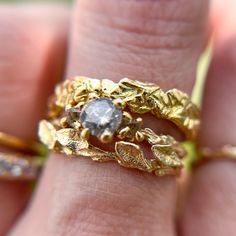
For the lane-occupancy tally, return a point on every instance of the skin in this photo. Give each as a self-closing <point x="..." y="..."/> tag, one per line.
<point x="157" y="40"/>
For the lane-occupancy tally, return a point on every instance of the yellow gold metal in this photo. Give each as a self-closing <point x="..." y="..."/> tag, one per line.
<point x="119" y="103"/>
<point x="124" y="132"/>
<point x="139" y="136"/>
<point x="19" y="144"/>
<point x="225" y="152"/>
<point x="93" y="96"/>
<point x="64" y="122"/>
<point x="85" y="134"/>
<point x="106" y="137"/>
<point x="132" y="97"/>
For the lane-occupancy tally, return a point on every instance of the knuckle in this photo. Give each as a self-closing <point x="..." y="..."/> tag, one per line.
<point x="147" y="24"/>
<point x="139" y="35"/>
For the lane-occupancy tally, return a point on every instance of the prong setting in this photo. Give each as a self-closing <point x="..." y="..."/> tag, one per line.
<point x="64" y="122"/>
<point x="119" y="103"/>
<point x="85" y="133"/>
<point x="106" y="137"/>
<point x="123" y="132"/>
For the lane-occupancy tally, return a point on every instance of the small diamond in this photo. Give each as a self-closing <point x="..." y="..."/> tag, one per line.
<point x="100" y="115"/>
<point x="16" y="170"/>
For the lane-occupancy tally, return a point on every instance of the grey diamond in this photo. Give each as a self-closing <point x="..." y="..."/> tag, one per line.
<point x="100" y="115"/>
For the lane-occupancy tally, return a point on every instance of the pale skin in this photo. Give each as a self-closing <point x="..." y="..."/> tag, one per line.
<point x="152" y="40"/>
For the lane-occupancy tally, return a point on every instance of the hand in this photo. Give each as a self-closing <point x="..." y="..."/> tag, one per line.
<point x="156" y="41"/>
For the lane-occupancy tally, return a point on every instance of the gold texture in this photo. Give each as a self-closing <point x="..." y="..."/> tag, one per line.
<point x="225" y="152"/>
<point x="133" y="97"/>
<point x="19" y="144"/>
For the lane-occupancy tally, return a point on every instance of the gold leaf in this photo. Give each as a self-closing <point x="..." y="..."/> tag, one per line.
<point x="97" y="154"/>
<point x="166" y="155"/>
<point x="130" y="155"/>
<point x="47" y="134"/>
<point x="70" y="138"/>
<point x="128" y="83"/>
<point x="108" y="87"/>
<point x="94" y="85"/>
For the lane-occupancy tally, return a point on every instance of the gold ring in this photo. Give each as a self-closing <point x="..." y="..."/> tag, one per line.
<point x="15" y="166"/>
<point x="20" y="145"/>
<point x="25" y="162"/>
<point x="225" y="152"/>
<point x="83" y="107"/>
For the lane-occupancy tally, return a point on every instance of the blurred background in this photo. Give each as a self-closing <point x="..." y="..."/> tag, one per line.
<point x="32" y="1"/>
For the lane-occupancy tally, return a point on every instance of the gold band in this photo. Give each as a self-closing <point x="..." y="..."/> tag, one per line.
<point x="14" y="166"/>
<point x="19" y="144"/>
<point x="224" y="152"/>
<point x="82" y="107"/>
<point x="139" y="97"/>
<point x="18" y="166"/>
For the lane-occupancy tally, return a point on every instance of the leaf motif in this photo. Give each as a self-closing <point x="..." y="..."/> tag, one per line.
<point x="130" y="84"/>
<point x="97" y="154"/>
<point x="166" y="156"/>
<point x="47" y="134"/>
<point x="130" y="155"/>
<point x="108" y="87"/>
<point x="69" y="138"/>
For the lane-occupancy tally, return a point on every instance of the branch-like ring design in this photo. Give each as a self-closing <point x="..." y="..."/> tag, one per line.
<point x="83" y="107"/>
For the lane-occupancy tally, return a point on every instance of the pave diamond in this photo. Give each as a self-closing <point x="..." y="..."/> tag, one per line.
<point x="100" y="115"/>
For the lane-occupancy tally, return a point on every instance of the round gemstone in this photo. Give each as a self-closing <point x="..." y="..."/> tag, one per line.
<point x="100" y="115"/>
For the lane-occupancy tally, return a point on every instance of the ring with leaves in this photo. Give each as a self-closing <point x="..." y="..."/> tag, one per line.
<point x="83" y="108"/>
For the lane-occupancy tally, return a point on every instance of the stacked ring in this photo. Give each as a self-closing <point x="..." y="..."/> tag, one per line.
<point x="19" y="165"/>
<point x="15" y="166"/>
<point x="225" y="152"/>
<point x="83" y="107"/>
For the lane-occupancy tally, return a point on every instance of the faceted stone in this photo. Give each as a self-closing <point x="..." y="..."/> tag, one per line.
<point x="100" y="115"/>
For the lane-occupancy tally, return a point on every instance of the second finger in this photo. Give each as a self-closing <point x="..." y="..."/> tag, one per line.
<point x="29" y="39"/>
<point x="211" y="205"/>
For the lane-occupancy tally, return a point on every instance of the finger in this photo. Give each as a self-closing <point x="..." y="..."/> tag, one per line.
<point x="32" y="40"/>
<point x="156" y="41"/>
<point x="211" y="204"/>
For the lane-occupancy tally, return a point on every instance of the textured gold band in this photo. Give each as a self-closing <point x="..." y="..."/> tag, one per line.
<point x="19" y="144"/>
<point x="80" y="102"/>
<point x="224" y="152"/>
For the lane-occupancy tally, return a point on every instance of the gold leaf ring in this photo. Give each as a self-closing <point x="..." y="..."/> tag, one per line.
<point x="83" y="107"/>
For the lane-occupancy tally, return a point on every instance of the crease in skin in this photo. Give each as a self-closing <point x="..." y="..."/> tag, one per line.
<point x="153" y="57"/>
<point x="178" y="35"/>
<point x="147" y="26"/>
<point x="66" y="203"/>
<point x="172" y="10"/>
